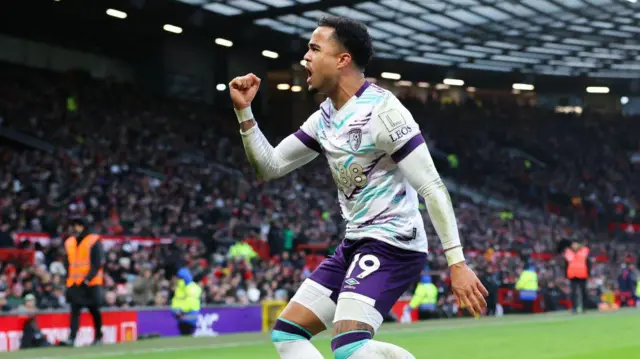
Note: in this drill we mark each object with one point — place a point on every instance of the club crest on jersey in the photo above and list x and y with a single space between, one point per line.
355 138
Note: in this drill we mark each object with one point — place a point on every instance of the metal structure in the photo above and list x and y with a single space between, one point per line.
587 38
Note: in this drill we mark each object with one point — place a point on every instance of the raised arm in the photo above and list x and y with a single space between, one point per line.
274 162
270 162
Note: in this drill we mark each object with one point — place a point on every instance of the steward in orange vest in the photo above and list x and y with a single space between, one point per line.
578 268
84 262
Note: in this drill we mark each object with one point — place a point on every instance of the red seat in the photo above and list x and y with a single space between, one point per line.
313 261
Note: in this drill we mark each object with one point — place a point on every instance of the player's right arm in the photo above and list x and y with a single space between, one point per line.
270 162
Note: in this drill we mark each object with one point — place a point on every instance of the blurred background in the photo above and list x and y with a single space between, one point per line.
117 111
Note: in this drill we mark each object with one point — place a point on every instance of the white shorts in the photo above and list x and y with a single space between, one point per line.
351 306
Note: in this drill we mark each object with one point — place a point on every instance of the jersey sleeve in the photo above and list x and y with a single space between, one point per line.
308 132
394 130
293 152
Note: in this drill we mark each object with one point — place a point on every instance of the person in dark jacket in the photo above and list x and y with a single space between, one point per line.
490 281
5 237
32 336
84 263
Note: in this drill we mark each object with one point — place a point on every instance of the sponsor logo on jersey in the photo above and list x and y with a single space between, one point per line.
392 119
400 133
355 138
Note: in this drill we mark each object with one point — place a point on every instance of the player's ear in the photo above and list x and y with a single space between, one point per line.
344 59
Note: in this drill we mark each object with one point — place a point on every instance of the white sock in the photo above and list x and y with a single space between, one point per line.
380 350
299 349
292 341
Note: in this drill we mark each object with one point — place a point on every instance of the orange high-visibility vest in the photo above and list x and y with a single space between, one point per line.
79 257
577 263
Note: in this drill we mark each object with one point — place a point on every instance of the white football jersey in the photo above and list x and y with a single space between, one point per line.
362 142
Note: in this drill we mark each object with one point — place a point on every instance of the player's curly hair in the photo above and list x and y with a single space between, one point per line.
353 35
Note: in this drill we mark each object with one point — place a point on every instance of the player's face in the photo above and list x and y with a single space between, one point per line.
325 59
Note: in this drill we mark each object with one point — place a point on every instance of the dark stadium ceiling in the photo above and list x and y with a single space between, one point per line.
596 38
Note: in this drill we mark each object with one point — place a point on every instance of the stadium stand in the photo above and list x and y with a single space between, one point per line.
117 114
122 159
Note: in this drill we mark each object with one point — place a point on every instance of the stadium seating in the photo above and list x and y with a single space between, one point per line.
122 159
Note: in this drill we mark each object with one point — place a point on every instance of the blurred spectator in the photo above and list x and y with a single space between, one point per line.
5 237
4 305
47 299
143 288
29 306
15 299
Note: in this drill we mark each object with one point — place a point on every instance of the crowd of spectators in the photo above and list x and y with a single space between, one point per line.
134 164
531 153
143 276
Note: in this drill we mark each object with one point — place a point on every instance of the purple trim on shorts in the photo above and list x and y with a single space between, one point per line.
291 329
407 148
348 338
362 88
308 140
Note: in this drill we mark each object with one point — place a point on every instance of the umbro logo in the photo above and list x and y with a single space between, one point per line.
351 281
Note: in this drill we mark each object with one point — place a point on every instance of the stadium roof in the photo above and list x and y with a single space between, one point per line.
593 38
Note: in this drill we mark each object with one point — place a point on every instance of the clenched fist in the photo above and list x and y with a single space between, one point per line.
243 90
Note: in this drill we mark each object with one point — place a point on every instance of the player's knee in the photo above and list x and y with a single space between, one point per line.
359 309
312 306
287 331
349 336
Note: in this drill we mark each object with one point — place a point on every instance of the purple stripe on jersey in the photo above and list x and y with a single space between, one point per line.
362 88
366 172
361 122
378 219
325 115
401 194
408 238
370 167
377 88
407 148
308 141
382 220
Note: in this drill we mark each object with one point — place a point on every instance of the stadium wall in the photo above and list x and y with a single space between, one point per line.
126 325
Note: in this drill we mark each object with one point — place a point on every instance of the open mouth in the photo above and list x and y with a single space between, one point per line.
308 75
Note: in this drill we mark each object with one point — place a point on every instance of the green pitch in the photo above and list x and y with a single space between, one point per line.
557 336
